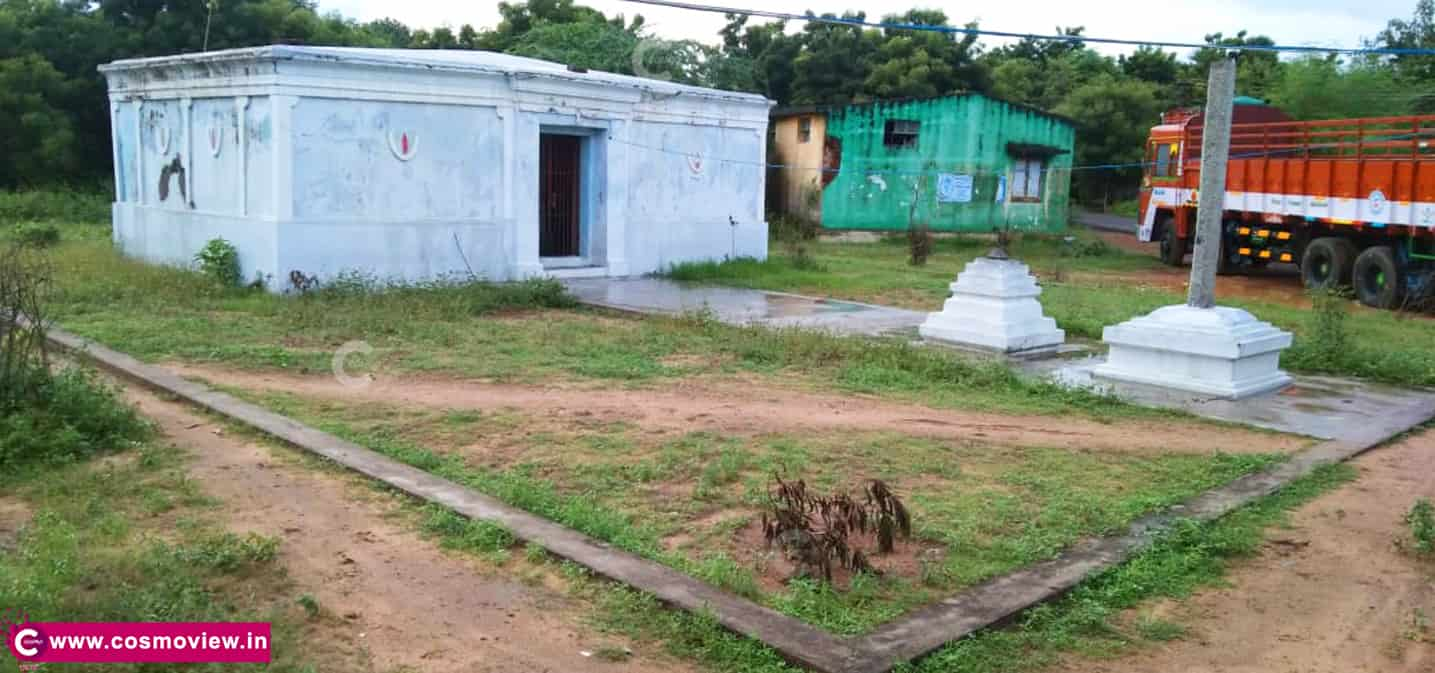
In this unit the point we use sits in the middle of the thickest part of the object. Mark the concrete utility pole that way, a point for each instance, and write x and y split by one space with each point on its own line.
1215 150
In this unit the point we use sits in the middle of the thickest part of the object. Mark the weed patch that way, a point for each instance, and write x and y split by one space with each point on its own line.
88 206
1421 520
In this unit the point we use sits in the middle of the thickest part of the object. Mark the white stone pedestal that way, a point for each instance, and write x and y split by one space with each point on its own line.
1218 351
993 306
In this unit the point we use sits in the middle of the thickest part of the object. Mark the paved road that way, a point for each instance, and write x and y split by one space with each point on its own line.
1106 221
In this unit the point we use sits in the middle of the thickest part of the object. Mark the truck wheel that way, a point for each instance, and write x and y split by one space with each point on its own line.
1173 248
1229 261
1327 263
1377 278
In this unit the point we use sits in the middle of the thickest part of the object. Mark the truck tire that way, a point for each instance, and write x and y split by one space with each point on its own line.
1327 263
1230 261
1377 278
1173 248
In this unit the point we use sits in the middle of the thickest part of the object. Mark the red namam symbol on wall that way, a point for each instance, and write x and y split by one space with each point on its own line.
403 144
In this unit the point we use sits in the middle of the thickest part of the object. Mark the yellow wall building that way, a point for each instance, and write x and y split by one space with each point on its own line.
796 187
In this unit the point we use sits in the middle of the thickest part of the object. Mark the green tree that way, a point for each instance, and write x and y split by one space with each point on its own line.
1327 88
915 63
37 142
594 45
1257 72
1113 116
1150 64
1413 70
835 61
769 51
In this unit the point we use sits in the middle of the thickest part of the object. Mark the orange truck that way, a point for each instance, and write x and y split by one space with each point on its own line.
1350 201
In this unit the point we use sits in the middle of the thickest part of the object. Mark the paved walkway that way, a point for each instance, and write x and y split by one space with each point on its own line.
739 306
1106 221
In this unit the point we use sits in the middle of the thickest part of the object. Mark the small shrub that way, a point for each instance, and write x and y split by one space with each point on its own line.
919 244
1086 248
26 282
228 552
1421 520
219 260
1329 336
37 234
47 416
816 530
785 228
310 605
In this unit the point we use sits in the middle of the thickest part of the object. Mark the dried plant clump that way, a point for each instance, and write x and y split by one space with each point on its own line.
816 531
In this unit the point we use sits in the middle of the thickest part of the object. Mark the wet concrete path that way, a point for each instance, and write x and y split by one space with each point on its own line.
741 306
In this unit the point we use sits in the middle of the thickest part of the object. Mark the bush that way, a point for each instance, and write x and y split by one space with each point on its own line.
90 206
919 244
219 260
26 280
70 416
1085 248
44 416
37 234
788 228
1329 339
1421 520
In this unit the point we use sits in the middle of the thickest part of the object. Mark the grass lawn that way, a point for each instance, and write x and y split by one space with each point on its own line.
1086 285
527 333
693 500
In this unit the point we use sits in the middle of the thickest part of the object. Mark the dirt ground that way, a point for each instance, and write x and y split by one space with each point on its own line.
405 602
750 409
1331 594
1277 283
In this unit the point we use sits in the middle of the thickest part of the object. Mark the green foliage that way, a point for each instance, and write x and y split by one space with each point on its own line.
310 605
459 532
40 143
48 417
219 260
37 234
1329 338
1113 117
225 552
1421 520
1093 247
1325 88
69 416
55 204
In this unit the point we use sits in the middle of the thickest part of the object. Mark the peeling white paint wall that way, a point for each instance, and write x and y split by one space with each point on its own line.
308 172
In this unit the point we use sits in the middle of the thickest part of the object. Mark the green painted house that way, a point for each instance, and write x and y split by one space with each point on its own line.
966 162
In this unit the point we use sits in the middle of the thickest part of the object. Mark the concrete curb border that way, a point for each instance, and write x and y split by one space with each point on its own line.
905 638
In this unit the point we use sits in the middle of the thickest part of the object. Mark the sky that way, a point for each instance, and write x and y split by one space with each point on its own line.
1341 23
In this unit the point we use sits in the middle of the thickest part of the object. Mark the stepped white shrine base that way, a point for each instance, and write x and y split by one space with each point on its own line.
993 306
1219 351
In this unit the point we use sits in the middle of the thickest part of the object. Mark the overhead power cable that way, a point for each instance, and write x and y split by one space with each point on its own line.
786 16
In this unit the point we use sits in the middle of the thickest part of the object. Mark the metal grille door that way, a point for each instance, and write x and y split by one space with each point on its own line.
558 160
